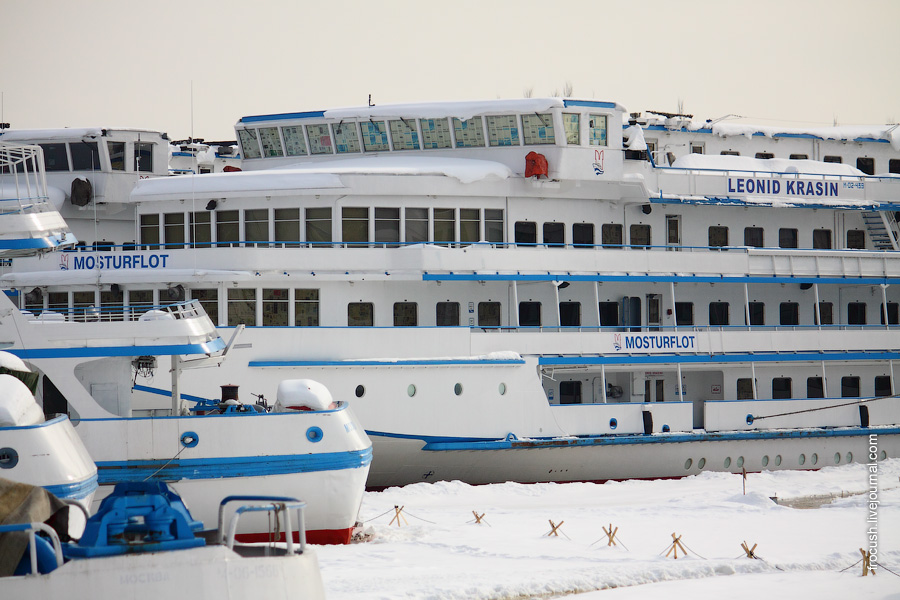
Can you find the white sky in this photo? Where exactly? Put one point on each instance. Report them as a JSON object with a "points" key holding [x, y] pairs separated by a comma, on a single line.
{"points": [[114, 63]]}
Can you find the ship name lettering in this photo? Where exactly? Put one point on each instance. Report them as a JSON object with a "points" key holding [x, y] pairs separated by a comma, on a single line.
{"points": [[122, 261], [746, 185], [659, 342]]}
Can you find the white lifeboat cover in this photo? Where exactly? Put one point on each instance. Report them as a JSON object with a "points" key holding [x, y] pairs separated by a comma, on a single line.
{"points": [[17, 405], [302, 392], [13, 362]]}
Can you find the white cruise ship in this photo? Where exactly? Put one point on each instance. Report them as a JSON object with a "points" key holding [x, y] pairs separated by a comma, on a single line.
{"points": [[530, 290]]}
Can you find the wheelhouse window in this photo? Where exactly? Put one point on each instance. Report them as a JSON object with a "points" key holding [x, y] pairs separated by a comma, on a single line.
{"points": [[570, 314], [446, 314], [572, 125], [86, 156], [435, 133], [850, 387], [815, 387], [684, 313], [757, 312], [503, 130], [538, 129], [143, 157], [718, 314], [781, 388], [287, 226], [582, 235], [57, 159], [640, 235], [822, 239], [404, 135], [405, 314], [306, 307], [718, 236], [116, 155], [554, 234], [753, 236], [294, 142], [856, 239], [249, 143], [526, 232], [227, 227], [275, 305], [270, 142], [489, 314], [789, 313], [856, 313], [360, 314], [469, 133], [866, 165], [201, 229], [318, 225], [387, 226], [597, 130], [319, 139], [346, 138], [374, 136], [355, 226], [787, 238], [416, 225], [241, 307], [611, 234], [529, 314]]}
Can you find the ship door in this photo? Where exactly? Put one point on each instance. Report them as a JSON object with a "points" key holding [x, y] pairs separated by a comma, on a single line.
{"points": [[631, 313], [654, 318], [673, 231]]}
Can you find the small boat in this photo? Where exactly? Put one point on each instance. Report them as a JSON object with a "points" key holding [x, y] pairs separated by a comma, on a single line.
{"points": [[143, 542]]}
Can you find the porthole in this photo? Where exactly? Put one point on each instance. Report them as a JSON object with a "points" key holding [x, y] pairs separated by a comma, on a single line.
{"points": [[411, 390], [360, 391], [727, 462], [613, 423], [849, 457], [314, 434], [814, 459], [457, 389], [687, 464], [502, 389], [9, 458], [765, 461], [701, 463], [802, 459], [777, 460], [189, 439], [740, 462], [837, 458], [665, 429]]}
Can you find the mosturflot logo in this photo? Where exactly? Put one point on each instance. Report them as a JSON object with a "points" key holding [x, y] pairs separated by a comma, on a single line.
{"points": [[598, 162], [617, 342], [64, 261]]}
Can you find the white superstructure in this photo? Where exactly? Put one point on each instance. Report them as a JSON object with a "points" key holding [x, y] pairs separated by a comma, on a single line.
{"points": [[535, 289]]}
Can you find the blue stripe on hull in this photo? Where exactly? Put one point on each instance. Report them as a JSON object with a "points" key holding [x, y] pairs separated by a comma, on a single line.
{"points": [[74, 491], [106, 351], [111, 472]]}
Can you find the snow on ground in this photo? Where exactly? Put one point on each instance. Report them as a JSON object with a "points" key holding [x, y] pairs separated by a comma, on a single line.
{"points": [[442, 554]]}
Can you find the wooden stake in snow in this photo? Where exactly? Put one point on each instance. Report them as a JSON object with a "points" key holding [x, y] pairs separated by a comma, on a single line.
{"points": [[554, 527], [478, 517], [611, 534], [749, 550], [867, 562], [398, 514], [676, 544]]}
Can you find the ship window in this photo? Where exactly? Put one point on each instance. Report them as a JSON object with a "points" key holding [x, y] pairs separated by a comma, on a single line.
{"points": [[826, 312], [209, 300], [893, 313], [833, 159], [387, 226], [684, 313], [489, 314], [59, 302], [355, 226], [799, 157], [143, 157], [729, 153], [287, 226], [249, 143], [374, 136], [894, 165], [469, 221], [822, 239], [850, 387], [85, 156], [84, 306], [149, 232], [611, 234], [718, 313], [319, 139], [555, 234], [346, 138], [270, 141], [294, 144], [640, 235], [405, 314], [56, 158], [404, 135], [444, 225], [718, 236], [571, 123], [227, 225], [469, 133], [111, 305], [139, 302], [883, 386], [538, 128], [856, 313], [360, 314], [789, 313], [435, 133], [787, 238], [815, 387], [116, 156], [275, 304], [757, 311], [570, 392], [493, 225], [583, 235], [609, 314], [503, 130], [856, 239], [697, 148], [781, 388], [866, 165], [570, 314], [744, 388], [529, 314], [753, 236], [256, 225], [446, 314], [173, 230], [526, 232], [416, 225], [201, 229], [318, 225], [241, 307], [306, 307], [597, 130], [764, 155]]}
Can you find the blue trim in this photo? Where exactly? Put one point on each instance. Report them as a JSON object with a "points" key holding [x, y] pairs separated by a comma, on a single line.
{"points": [[168, 393], [111, 472], [669, 438], [624, 359], [106, 351], [310, 114], [51, 241], [589, 103], [52, 421], [383, 363], [76, 490], [728, 201], [655, 278]]}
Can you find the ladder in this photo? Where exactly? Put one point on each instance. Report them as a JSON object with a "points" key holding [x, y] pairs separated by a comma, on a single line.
{"points": [[882, 228]]}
